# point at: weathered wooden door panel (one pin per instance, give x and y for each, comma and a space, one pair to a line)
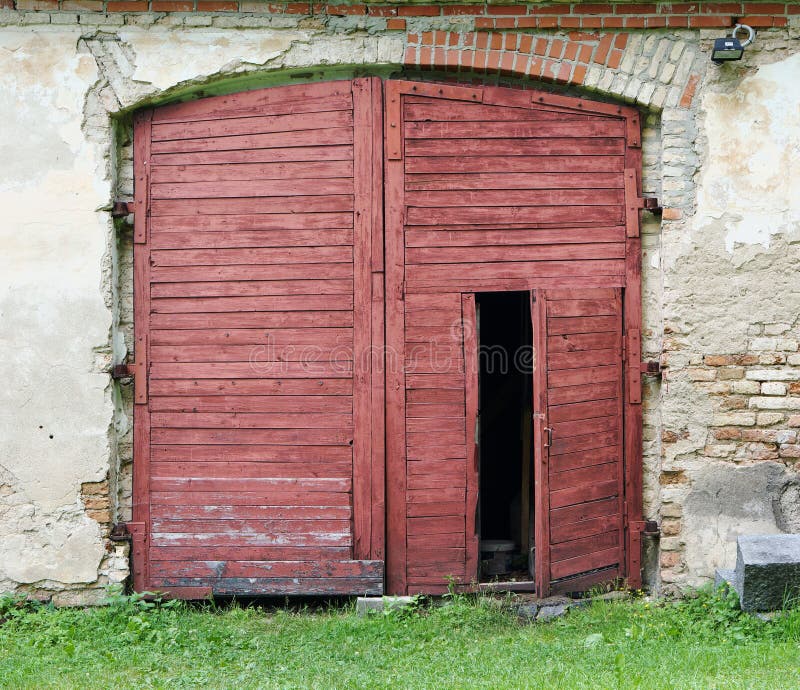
497, 189
259, 444
578, 421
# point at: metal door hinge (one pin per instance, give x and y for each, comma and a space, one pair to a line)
651, 368
652, 204
121, 371
119, 532
120, 209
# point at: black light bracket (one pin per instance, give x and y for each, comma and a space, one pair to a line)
731, 48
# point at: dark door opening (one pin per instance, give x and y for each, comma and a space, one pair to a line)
505, 479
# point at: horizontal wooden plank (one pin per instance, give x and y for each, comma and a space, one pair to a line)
514, 197
271, 569
443, 556
253, 336
417, 510
584, 475
267, 497
584, 563
232, 467
258, 512
511, 237
254, 205
263, 155
249, 420
580, 494
263, 319
197, 387
287, 437
434, 396
270, 486
454, 540
429, 410
306, 404
590, 441
566, 532
439, 381
583, 307
436, 425
271, 101
301, 586
251, 238
607, 577
256, 124
583, 393
248, 553
434, 452
565, 462
161, 174
445, 437
270, 255
252, 188
260, 303
584, 511
585, 545
508, 164
299, 455
543, 252
584, 410
250, 222
555, 215
435, 525
448, 111
574, 342
332, 136
514, 269
583, 359
581, 427
468, 283
244, 539
514, 180
452, 494
256, 369
424, 482
271, 527
578, 130
476, 147
578, 377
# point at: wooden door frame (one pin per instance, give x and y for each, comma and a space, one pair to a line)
396, 562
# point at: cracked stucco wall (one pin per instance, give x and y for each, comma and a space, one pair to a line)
718, 271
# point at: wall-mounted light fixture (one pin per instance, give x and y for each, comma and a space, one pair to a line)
731, 48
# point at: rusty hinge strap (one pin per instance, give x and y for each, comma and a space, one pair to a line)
119, 532
121, 371
120, 209
652, 204
650, 368
633, 203
633, 362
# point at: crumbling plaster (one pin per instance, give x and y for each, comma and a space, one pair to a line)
66, 308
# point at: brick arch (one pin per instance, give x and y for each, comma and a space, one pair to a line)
653, 71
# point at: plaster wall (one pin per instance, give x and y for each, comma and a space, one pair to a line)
719, 273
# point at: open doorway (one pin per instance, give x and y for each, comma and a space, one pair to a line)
505, 467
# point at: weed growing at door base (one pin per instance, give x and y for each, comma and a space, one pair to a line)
468, 643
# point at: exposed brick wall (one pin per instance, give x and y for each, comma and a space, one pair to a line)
485, 16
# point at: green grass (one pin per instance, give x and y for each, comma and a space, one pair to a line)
469, 643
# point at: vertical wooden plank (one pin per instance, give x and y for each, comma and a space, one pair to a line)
394, 121
541, 489
142, 132
395, 358
470, 343
632, 304
362, 321
377, 547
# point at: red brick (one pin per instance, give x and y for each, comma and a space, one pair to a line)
496, 42
527, 22
681, 7
591, 22
507, 63
425, 56
86, 5
216, 6
424, 11
571, 51
493, 60
570, 22
505, 23
525, 44
6, 4
547, 9
410, 56
343, 10
621, 41
593, 8
296, 8
688, 92
603, 47
484, 23
780, 21
581, 36
682, 22
426, 38
579, 74
395, 24
172, 6
655, 22
535, 68
721, 8
556, 49
793, 9
381, 11
671, 214
126, 6
757, 22
439, 38
462, 9
505, 9
615, 59
712, 21
634, 22
510, 42
764, 8
585, 54
612, 22
636, 8
469, 39
482, 41
564, 72
547, 22
541, 46
466, 57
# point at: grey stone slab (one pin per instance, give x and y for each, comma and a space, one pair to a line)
767, 570
547, 613
724, 577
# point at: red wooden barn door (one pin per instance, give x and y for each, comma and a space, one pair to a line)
489, 189
258, 293
579, 451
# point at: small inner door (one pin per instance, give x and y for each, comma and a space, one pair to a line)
504, 436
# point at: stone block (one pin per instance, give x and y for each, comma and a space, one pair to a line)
366, 605
724, 577
773, 388
767, 570
773, 375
